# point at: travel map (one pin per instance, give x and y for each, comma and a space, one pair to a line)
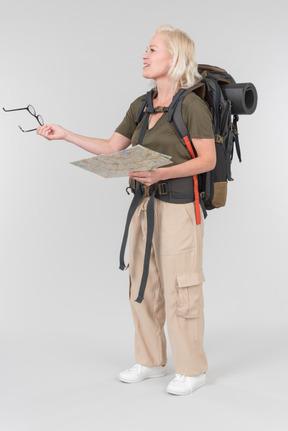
119, 164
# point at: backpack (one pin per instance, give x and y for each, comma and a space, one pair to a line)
225, 100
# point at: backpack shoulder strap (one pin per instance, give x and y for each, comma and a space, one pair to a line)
175, 110
175, 117
145, 103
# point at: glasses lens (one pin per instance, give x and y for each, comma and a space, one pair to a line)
31, 109
40, 120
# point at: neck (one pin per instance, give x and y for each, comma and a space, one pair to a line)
165, 92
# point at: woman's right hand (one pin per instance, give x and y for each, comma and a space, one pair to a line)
51, 131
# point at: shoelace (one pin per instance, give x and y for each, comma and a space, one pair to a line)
136, 369
180, 378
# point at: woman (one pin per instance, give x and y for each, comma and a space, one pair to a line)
174, 279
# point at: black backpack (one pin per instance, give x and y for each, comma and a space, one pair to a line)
226, 100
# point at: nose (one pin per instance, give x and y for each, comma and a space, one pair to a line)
145, 55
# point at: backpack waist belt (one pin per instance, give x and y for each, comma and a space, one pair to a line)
178, 190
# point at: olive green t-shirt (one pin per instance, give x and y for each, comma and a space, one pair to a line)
162, 137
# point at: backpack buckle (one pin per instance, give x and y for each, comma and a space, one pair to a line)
162, 189
132, 186
219, 139
234, 129
145, 191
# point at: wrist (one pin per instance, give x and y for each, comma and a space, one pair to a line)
67, 136
163, 174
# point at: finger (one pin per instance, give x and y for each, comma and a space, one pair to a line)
46, 132
143, 174
40, 129
137, 173
140, 179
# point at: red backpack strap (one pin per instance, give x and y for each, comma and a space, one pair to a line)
195, 181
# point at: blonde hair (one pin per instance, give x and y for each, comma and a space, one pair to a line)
184, 69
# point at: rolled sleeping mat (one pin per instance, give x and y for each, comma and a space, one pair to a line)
243, 97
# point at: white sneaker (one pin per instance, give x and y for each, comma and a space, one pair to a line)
138, 373
184, 385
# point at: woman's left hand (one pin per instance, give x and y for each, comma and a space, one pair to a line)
147, 177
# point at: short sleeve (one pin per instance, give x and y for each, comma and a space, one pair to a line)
128, 125
197, 117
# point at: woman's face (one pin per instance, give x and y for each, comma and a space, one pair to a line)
156, 59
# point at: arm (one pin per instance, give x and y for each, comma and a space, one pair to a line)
117, 142
205, 162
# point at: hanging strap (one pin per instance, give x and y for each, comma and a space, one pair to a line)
150, 230
136, 200
236, 137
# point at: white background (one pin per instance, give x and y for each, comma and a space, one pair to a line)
65, 324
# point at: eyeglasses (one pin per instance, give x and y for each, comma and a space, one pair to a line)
31, 111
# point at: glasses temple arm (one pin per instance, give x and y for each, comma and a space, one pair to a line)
30, 130
10, 110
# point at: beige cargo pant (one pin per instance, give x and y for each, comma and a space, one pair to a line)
174, 287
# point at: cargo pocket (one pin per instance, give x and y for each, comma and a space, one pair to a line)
189, 295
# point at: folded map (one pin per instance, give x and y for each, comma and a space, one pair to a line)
137, 158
